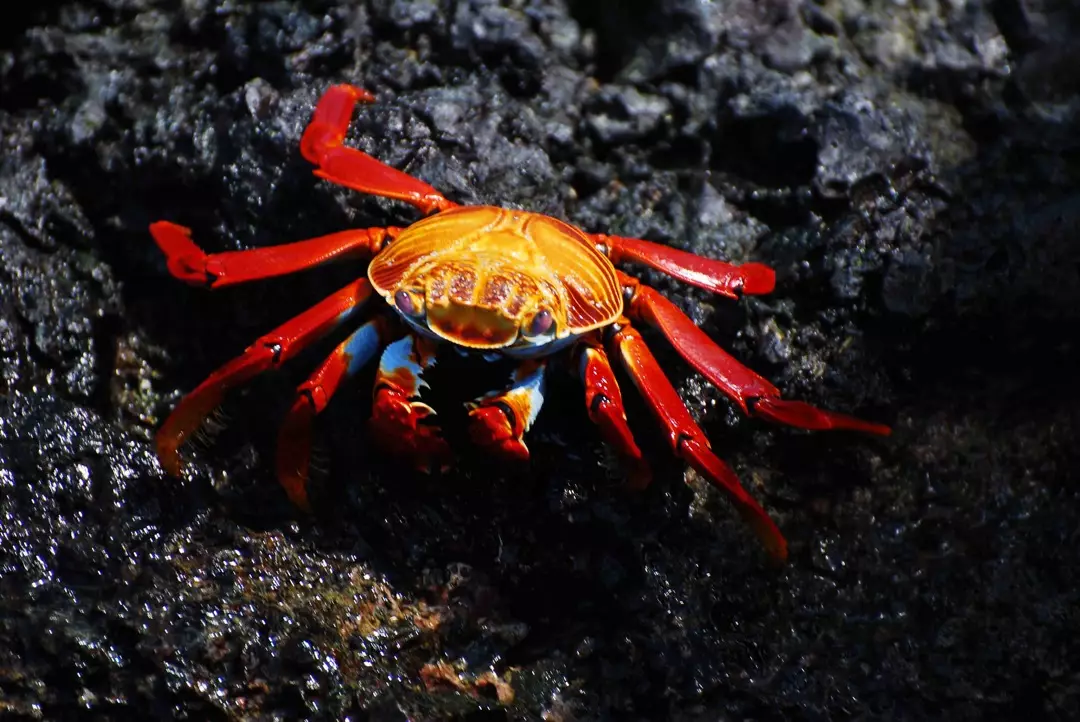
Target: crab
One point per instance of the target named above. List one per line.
(490, 281)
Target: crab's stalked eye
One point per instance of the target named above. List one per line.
(409, 304)
(541, 324)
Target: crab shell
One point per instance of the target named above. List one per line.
(481, 277)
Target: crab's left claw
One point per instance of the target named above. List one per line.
(499, 420)
(496, 429)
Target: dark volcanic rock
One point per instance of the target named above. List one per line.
(910, 170)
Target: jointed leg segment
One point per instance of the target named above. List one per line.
(753, 394)
(337, 163)
(719, 277)
(687, 440)
(603, 399)
(312, 396)
(273, 349)
(189, 263)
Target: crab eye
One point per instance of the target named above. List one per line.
(407, 304)
(541, 324)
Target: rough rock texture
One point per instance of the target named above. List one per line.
(911, 169)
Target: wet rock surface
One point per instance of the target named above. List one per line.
(913, 173)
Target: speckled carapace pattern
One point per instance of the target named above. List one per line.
(911, 170)
(504, 265)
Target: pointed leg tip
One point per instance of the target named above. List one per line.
(169, 456)
(300, 500)
(172, 238)
(849, 423)
(295, 486)
(805, 416)
(767, 532)
(165, 231)
(167, 227)
(758, 279)
(172, 465)
(720, 475)
(775, 545)
(358, 93)
(639, 477)
(778, 556)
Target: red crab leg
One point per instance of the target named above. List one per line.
(273, 349)
(754, 395)
(687, 440)
(604, 401)
(312, 396)
(717, 276)
(322, 145)
(499, 420)
(189, 263)
(397, 410)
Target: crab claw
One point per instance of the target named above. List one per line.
(395, 424)
(397, 411)
(499, 420)
(492, 428)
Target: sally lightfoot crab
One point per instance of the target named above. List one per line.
(497, 282)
